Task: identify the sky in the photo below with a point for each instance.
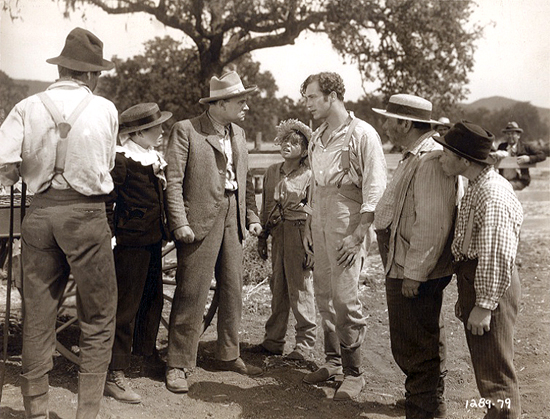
(512, 60)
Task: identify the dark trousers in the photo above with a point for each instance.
(65, 232)
(493, 352)
(220, 253)
(417, 335)
(140, 300)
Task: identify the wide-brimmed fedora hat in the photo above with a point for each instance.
(410, 107)
(83, 51)
(227, 86)
(470, 141)
(142, 116)
(443, 122)
(511, 127)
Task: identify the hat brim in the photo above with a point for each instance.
(246, 91)
(407, 117)
(165, 116)
(79, 65)
(490, 160)
(520, 130)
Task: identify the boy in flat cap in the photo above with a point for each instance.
(62, 144)
(484, 248)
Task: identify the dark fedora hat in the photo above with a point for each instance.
(470, 141)
(410, 107)
(142, 116)
(512, 127)
(227, 86)
(83, 51)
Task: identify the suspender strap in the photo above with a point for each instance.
(345, 149)
(468, 233)
(63, 125)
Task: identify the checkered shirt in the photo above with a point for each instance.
(497, 222)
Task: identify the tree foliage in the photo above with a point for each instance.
(166, 73)
(417, 46)
(10, 94)
(526, 115)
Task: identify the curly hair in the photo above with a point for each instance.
(328, 82)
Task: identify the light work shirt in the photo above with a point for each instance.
(29, 137)
(367, 162)
(497, 218)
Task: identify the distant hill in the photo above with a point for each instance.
(35, 86)
(496, 103)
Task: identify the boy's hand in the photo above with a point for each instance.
(255, 229)
(184, 234)
(307, 241)
(308, 261)
(262, 248)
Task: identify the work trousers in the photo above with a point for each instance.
(140, 300)
(493, 352)
(336, 287)
(417, 335)
(292, 288)
(65, 232)
(220, 253)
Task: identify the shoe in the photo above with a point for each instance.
(261, 349)
(295, 355)
(117, 387)
(176, 380)
(325, 373)
(152, 365)
(350, 388)
(238, 365)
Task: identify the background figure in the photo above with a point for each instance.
(414, 222)
(211, 202)
(525, 152)
(65, 229)
(135, 210)
(284, 212)
(484, 247)
(442, 126)
(346, 188)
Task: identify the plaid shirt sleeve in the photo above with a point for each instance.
(497, 223)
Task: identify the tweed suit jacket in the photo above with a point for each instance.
(421, 230)
(196, 174)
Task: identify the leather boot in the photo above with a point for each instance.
(90, 393)
(35, 397)
(353, 378)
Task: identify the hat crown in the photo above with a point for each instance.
(444, 121)
(139, 111)
(83, 51)
(470, 140)
(410, 107)
(512, 126)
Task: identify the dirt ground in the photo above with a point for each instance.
(280, 393)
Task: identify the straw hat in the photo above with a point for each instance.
(410, 107)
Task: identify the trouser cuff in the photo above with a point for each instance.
(34, 387)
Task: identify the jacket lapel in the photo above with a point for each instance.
(212, 137)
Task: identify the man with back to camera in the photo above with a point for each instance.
(210, 202)
(414, 222)
(348, 178)
(62, 143)
(484, 247)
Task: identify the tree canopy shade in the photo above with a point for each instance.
(416, 46)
